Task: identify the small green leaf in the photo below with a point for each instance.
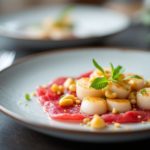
(143, 92)
(98, 66)
(117, 72)
(27, 97)
(133, 76)
(112, 69)
(99, 83)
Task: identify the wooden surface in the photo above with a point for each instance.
(16, 137)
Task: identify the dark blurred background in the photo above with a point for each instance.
(136, 36)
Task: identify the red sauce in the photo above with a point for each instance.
(49, 101)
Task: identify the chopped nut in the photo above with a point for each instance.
(58, 92)
(72, 87)
(86, 120)
(61, 88)
(67, 100)
(117, 125)
(131, 82)
(64, 102)
(70, 96)
(54, 88)
(97, 122)
(68, 82)
(78, 101)
(114, 111)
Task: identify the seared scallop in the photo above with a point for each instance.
(122, 91)
(136, 83)
(143, 99)
(83, 89)
(120, 105)
(93, 105)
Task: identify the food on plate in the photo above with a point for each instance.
(93, 105)
(98, 98)
(54, 28)
(143, 98)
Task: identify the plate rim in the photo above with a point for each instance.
(26, 38)
(28, 122)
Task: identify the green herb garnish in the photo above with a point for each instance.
(133, 76)
(98, 66)
(27, 97)
(112, 69)
(143, 92)
(99, 83)
(116, 72)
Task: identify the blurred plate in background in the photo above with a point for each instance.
(91, 23)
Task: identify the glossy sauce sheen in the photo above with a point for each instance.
(49, 101)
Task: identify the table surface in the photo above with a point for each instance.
(14, 136)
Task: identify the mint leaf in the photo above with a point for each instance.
(133, 76)
(117, 72)
(99, 83)
(27, 97)
(98, 66)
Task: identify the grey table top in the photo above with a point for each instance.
(16, 137)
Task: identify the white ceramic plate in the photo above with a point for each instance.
(91, 22)
(28, 73)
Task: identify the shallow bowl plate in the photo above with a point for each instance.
(27, 74)
(91, 23)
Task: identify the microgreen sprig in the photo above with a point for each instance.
(99, 67)
(116, 72)
(133, 76)
(27, 97)
(143, 92)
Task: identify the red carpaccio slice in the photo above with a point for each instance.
(127, 117)
(49, 101)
